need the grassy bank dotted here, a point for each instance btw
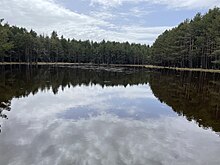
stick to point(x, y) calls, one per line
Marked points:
point(117, 65)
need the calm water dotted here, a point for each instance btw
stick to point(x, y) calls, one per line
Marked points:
point(65, 116)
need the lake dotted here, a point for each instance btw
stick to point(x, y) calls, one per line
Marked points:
point(108, 116)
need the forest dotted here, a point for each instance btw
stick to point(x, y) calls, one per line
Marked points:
point(193, 43)
point(19, 45)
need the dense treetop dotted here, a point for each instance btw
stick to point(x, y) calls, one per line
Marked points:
point(20, 45)
point(194, 43)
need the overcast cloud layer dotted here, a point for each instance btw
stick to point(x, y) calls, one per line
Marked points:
point(139, 21)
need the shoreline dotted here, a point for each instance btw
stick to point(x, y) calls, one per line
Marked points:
point(116, 65)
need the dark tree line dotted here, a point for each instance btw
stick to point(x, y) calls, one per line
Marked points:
point(19, 45)
point(194, 43)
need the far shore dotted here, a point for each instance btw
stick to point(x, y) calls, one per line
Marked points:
point(115, 65)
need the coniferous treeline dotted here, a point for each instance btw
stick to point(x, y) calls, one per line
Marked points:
point(19, 45)
point(194, 43)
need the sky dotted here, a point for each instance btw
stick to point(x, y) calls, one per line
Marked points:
point(135, 21)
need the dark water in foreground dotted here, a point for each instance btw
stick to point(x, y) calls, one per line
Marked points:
point(64, 116)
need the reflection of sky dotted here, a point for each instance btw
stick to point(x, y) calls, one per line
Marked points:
point(123, 107)
point(83, 101)
point(127, 126)
point(135, 102)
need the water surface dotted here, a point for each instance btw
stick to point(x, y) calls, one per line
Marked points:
point(89, 116)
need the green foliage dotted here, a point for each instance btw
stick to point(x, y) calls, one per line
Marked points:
point(5, 44)
point(194, 43)
point(30, 47)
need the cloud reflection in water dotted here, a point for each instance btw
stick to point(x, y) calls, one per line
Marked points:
point(39, 130)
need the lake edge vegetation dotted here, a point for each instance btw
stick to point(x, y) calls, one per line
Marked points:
point(194, 43)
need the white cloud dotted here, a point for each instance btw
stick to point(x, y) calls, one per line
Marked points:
point(189, 4)
point(138, 12)
point(44, 16)
point(43, 13)
point(107, 2)
point(104, 15)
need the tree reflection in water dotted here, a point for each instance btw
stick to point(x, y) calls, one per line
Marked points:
point(195, 95)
